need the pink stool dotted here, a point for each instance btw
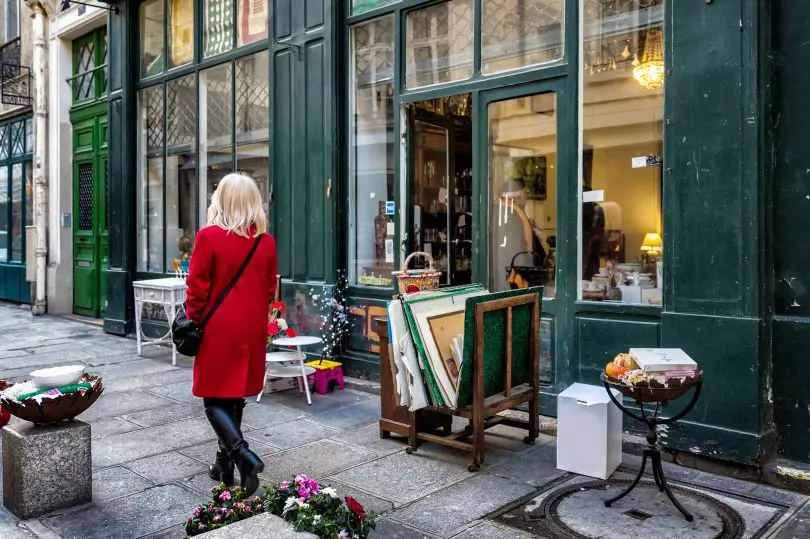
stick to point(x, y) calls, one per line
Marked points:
point(325, 375)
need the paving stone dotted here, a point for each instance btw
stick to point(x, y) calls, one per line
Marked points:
point(490, 530)
point(368, 437)
point(167, 414)
point(137, 515)
point(115, 482)
point(135, 445)
point(387, 529)
point(263, 525)
point(118, 404)
point(318, 460)
point(137, 367)
point(536, 467)
point(798, 527)
point(446, 511)
point(350, 417)
point(320, 403)
point(179, 391)
point(205, 452)
point(10, 527)
point(266, 414)
point(403, 478)
point(292, 434)
point(374, 505)
point(111, 427)
point(725, 484)
point(510, 439)
point(774, 495)
point(175, 532)
point(166, 467)
point(147, 381)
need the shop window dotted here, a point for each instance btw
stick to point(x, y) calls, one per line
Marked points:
point(521, 33)
point(16, 191)
point(252, 20)
point(4, 214)
point(216, 115)
point(523, 192)
point(181, 32)
point(622, 146)
point(253, 118)
point(150, 184)
point(371, 153)
point(439, 44)
point(217, 26)
point(11, 16)
point(17, 223)
point(152, 24)
point(89, 79)
point(360, 6)
point(181, 169)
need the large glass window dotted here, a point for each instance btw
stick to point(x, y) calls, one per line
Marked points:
point(150, 172)
point(11, 16)
point(371, 153)
point(17, 220)
point(252, 19)
point(439, 43)
point(4, 214)
point(359, 6)
point(217, 27)
point(216, 115)
point(152, 24)
point(622, 145)
point(253, 118)
point(523, 192)
point(16, 190)
point(521, 33)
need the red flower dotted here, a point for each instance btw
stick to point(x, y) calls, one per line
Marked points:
point(411, 288)
point(272, 328)
point(278, 306)
point(355, 507)
point(291, 333)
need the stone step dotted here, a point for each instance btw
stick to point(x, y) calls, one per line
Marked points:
point(263, 525)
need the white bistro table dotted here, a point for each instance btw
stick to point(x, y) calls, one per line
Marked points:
point(170, 293)
point(275, 370)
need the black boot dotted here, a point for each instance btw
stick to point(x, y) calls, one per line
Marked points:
point(222, 468)
point(248, 463)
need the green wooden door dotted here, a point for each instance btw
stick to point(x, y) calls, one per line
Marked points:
point(90, 226)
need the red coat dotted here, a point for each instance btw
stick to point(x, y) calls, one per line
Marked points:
point(230, 363)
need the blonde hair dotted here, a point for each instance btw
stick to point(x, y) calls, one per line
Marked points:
point(236, 206)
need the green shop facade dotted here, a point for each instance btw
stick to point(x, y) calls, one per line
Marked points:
point(618, 152)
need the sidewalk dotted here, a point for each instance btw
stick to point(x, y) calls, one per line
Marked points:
point(152, 445)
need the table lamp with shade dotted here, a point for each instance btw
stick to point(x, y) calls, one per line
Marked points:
point(652, 245)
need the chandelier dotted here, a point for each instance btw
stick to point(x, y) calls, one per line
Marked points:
point(650, 72)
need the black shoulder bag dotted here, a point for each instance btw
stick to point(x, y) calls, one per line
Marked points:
point(186, 335)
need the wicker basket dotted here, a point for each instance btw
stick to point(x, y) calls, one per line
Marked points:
point(426, 279)
point(534, 275)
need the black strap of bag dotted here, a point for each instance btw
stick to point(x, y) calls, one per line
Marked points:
point(230, 286)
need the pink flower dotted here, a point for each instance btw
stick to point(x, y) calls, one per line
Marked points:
point(201, 527)
point(313, 486)
point(302, 479)
point(225, 496)
point(217, 518)
point(197, 511)
point(284, 485)
point(343, 535)
point(303, 493)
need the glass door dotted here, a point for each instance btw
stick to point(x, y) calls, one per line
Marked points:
point(440, 187)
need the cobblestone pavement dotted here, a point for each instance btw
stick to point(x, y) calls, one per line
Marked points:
point(152, 444)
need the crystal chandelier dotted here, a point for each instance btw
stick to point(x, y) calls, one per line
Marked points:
point(650, 73)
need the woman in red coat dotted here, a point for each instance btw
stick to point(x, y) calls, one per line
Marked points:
point(230, 362)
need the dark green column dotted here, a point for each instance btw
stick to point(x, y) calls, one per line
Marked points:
point(122, 56)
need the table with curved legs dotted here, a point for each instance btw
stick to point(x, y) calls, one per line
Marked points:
point(644, 396)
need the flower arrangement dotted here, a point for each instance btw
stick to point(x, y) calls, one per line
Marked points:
point(304, 503)
point(334, 314)
point(277, 326)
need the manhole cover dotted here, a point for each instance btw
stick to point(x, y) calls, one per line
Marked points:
point(577, 511)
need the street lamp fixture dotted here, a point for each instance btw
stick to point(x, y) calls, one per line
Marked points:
point(66, 5)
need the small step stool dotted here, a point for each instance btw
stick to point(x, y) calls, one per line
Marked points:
point(326, 373)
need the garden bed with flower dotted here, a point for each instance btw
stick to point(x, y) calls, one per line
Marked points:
point(302, 502)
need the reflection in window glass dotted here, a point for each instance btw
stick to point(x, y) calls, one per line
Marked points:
point(216, 114)
point(359, 6)
point(371, 158)
point(181, 32)
point(217, 27)
point(622, 113)
point(523, 201)
point(150, 180)
point(253, 119)
point(439, 43)
point(152, 23)
point(29, 194)
point(17, 236)
point(252, 17)
point(520, 33)
point(4, 237)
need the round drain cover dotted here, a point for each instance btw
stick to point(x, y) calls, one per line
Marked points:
point(578, 511)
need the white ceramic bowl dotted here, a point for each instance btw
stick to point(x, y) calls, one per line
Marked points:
point(63, 375)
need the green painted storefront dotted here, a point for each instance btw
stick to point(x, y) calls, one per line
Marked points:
point(730, 183)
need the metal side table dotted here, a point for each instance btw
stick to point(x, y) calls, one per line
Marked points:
point(661, 397)
point(169, 293)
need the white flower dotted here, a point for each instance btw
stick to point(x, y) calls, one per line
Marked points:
point(316, 519)
point(290, 503)
point(329, 491)
point(282, 324)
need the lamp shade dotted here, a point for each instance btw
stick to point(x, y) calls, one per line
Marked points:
point(652, 243)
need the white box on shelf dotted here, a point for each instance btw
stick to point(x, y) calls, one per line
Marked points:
point(662, 359)
point(589, 431)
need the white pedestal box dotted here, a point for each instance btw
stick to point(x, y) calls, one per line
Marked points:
point(589, 431)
